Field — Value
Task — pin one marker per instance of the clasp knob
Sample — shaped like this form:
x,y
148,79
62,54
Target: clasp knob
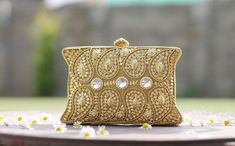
x,y
121,42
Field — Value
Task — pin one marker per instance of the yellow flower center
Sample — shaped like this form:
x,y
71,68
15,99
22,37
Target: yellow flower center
x,y
2,118
188,120
212,120
145,125
87,134
58,129
45,118
20,118
226,122
77,125
102,131
34,121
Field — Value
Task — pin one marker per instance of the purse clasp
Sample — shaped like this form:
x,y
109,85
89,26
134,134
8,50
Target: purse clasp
x,y
121,42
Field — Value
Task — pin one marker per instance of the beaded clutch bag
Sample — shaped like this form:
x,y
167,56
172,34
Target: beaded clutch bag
x,y
122,84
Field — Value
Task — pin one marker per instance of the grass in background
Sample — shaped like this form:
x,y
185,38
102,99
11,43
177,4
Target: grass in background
x,y
32,103
59,103
208,104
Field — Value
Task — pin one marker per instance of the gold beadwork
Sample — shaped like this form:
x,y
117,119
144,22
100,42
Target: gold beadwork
x,y
135,65
122,84
161,99
108,66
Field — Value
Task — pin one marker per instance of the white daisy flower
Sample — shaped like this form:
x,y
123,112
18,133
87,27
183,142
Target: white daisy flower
x,y
146,126
3,120
232,122
34,121
20,119
87,131
59,128
46,117
77,124
211,120
26,125
188,120
227,122
102,131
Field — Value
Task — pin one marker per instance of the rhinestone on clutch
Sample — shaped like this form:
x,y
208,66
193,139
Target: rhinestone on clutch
x,y
146,82
96,83
122,82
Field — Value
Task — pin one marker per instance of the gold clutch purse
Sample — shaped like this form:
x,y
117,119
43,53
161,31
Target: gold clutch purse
x,y
122,84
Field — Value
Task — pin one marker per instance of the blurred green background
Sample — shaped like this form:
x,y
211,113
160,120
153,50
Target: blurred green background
x,y
33,74
59,103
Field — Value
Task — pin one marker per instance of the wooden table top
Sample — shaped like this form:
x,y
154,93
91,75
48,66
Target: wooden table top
x,y
199,133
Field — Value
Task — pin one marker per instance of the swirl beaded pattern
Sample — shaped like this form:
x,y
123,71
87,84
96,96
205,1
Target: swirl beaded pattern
x,y
122,85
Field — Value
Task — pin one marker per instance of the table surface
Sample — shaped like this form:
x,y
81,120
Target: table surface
x,y
200,132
